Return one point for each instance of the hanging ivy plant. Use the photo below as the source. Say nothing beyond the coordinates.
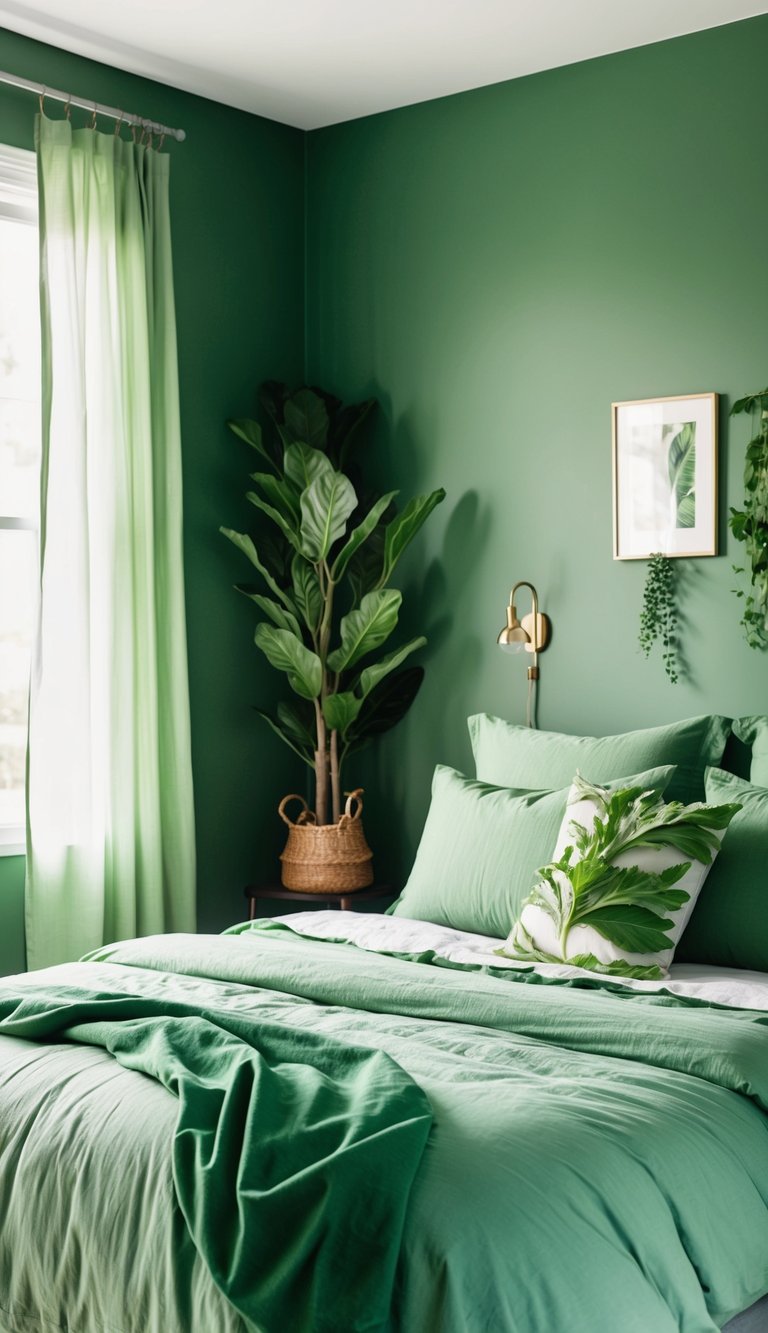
(658, 617)
(750, 524)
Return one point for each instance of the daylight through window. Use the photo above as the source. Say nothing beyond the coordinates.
(19, 471)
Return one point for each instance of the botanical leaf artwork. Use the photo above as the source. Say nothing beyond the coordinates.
(681, 459)
(630, 906)
(326, 549)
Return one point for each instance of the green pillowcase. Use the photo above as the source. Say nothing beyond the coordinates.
(481, 848)
(754, 731)
(514, 756)
(729, 925)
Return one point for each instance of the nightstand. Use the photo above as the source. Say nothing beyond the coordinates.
(346, 901)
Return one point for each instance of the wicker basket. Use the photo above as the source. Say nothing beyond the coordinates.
(326, 858)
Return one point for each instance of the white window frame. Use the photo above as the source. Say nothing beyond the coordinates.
(18, 203)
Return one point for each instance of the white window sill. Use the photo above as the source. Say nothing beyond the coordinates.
(13, 841)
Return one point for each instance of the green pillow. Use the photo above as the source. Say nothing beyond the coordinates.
(514, 756)
(729, 925)
(754, 731)
(481, 848)
(623, 880)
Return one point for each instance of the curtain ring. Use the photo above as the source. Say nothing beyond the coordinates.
(119, 125)
(133, 131)
(93, 118)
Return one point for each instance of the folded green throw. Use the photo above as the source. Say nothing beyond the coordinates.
(293, 1155)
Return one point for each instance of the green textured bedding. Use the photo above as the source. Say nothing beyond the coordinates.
(597, 1161)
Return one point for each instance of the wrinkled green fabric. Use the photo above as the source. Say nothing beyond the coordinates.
(110, 819)
(598, 1160)
(291, 1151)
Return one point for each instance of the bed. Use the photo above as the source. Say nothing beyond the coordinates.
(569, 1152)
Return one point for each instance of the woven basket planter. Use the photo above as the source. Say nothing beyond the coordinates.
(326, 858)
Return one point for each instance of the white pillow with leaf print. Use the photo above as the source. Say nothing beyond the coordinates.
(625, 875)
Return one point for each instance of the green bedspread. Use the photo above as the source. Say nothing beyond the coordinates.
(597, 1163)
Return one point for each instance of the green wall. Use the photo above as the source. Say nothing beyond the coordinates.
(237, 191)
(499, 266)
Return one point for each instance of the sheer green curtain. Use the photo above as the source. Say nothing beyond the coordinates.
(110, 820)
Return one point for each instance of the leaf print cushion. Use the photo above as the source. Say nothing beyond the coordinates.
(623, 880)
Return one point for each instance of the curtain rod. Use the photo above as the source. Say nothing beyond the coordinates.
(96, 107)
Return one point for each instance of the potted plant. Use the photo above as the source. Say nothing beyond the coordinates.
(325, 548)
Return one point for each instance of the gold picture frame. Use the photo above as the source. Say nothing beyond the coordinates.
(665, 476)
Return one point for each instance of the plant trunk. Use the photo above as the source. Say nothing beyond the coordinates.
(335, 777)
(321, 771)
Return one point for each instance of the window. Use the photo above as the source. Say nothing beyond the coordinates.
(19, 473)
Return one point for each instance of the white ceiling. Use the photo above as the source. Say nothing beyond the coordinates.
(314, 62)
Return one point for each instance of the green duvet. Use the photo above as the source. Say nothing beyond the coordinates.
(596, 1162)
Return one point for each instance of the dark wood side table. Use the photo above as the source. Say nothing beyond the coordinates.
(346, 901)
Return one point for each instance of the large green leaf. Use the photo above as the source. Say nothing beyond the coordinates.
(346, 426)
(360, 534)
(251, 432)
(302, 464)
(305, 419)
(297, 718)
(284, 651)
(402, 530)
(286, 738)
(366, 628)
(364, 569)
(306, 591)
(282, 617)
(340, 710)
(632, 928)
(374, 675)
(681, 460)
(280, 495)
(325, 507)
(245, 544)
(385, 706)
(288, 531)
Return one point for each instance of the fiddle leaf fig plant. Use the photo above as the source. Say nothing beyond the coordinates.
(750, 523)
(325, 549)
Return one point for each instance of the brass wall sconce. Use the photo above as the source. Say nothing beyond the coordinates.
(530, 635)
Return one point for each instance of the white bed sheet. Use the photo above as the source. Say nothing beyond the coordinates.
(401, 935)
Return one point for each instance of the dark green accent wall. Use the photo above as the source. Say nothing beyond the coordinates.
(498, 267)
(237, 190)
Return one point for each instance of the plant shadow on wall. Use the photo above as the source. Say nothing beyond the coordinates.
(325, 547)
(750, 523)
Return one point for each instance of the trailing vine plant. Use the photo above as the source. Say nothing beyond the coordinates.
(750, 524)
(658, 617)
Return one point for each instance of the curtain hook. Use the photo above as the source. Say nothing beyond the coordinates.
(119, 125)
(93, 117)
(42, 100)
(68, 107)
(162, 141)
(133, 131)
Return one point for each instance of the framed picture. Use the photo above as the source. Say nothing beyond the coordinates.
(665, 477)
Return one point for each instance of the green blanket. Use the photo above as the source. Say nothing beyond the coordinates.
(597, 1161)
(288, 1146)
